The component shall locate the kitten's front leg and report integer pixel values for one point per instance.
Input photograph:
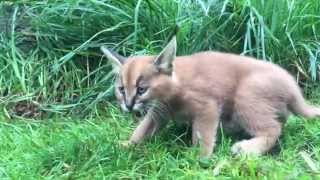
(150, 124)
(204, 128)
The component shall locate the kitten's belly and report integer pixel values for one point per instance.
(228, 121)
(230, 126)
(182, 118)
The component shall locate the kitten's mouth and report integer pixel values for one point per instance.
(137, 114)
(138, 107)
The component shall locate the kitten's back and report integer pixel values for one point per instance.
(219, 75)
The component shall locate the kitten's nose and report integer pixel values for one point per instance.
(129, 106)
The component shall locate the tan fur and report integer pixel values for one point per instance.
(212, 87)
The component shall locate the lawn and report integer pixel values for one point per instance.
(58, 116)
(67, 148)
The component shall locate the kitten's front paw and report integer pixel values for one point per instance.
(204, 162)
(125, 144)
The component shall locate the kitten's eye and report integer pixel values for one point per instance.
(141, 90)
(121, 90)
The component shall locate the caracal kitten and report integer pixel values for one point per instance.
(209, 89)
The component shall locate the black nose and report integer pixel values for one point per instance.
(129, 106)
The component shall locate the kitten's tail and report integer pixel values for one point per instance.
(299, 106)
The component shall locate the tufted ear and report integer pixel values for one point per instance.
(116, 59)
(163, 61)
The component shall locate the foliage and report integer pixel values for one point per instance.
(50, 49)
(51, 68)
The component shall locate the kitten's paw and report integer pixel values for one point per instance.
(125, 144)
(244, 147)
(237, 148)
(204, 162)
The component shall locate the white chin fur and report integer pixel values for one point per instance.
(138, 107)
(124, 108)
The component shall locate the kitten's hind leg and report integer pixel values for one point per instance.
(259, 105)
(261, 143)
(261, 123)
(259, 119)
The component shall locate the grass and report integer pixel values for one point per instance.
(57, 117)
(66, 148)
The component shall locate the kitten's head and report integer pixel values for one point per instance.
(141, 80)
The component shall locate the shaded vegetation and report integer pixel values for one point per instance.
(57, 116)
(50, 51)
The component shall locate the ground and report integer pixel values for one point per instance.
(65, 148)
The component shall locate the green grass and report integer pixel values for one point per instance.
(65, 148)
(51, 68)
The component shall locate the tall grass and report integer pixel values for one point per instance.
(49, 50)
